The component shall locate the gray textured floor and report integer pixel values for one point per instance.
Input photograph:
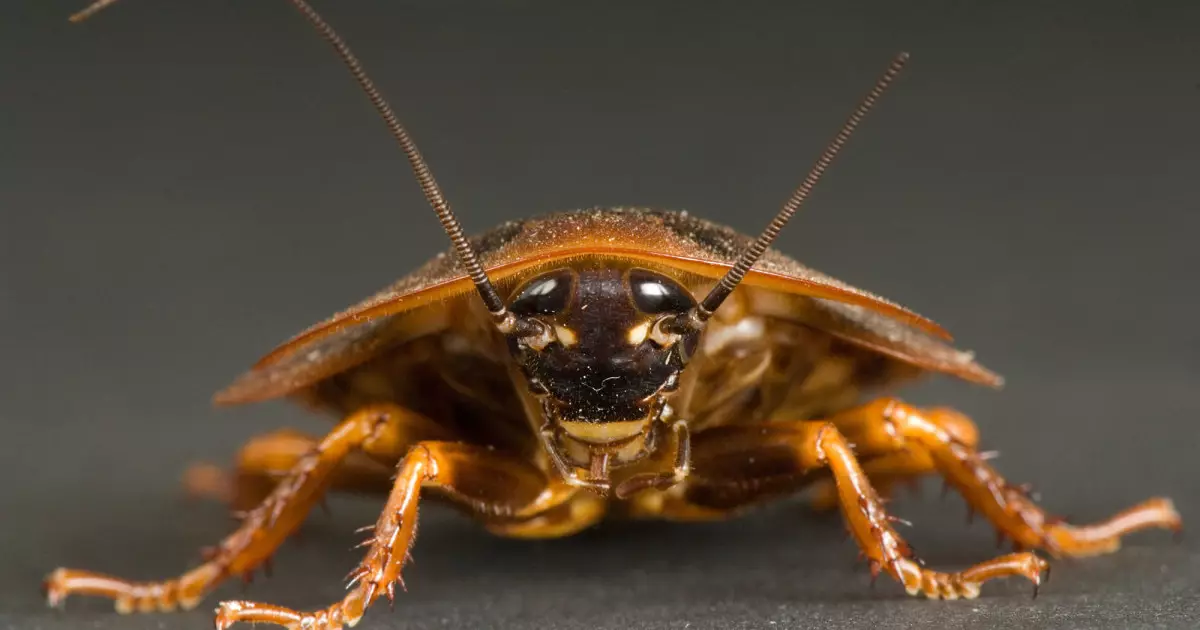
(186, 183)
(780, 568)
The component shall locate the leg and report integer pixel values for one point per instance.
(562, 510)
(943, 440)
(377, 430)
(266, 460)
(499, 487)
(892, 469)
(738, 465)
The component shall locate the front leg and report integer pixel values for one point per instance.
(739, 465)
(379, 431)
(505, 490)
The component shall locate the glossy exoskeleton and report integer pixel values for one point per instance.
(604, 362)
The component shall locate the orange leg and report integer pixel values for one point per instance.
(890, 469)
(943, 440)
(379, 431)
(499, 487)
(267, 459)
(737, 465)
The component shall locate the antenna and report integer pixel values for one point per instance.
(755, 251)
(429, 186)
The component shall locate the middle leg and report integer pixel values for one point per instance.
(889, 470)
(902, 440)
(266, 460)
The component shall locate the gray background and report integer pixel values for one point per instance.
(186, 183)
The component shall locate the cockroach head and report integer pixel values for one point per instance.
(599, 345)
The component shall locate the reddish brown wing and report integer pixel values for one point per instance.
(664, 238)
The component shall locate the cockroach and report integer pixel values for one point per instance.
(607, 362)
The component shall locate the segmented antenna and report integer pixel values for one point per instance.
(429, 186)
(90, 10)
(755, 251)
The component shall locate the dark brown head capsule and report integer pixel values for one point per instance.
(595, 345)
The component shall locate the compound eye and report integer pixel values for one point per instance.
(655, 293)
(548, 294)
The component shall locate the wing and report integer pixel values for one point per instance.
(508, 252)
